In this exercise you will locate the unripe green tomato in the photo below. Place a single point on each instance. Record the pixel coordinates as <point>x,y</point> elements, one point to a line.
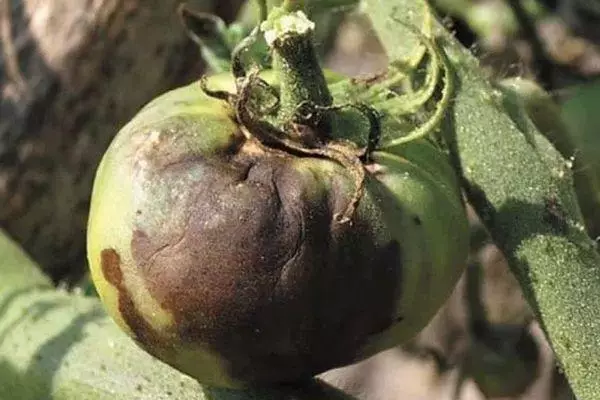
<point>226,261</point>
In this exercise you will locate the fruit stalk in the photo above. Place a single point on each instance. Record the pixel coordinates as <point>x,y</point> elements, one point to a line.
<point>289,33</point>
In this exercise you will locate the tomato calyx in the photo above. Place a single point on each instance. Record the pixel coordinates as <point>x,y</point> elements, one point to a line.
<point>306,132</point>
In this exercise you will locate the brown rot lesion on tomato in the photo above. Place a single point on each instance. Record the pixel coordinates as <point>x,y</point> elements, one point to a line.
<point>111,267</point>
<point>142,330</point>
<point>227,285</point>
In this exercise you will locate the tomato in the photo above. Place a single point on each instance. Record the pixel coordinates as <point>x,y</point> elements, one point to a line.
<point>224,258</point>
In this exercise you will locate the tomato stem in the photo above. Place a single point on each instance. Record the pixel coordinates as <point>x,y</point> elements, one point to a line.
<point>295,62</point>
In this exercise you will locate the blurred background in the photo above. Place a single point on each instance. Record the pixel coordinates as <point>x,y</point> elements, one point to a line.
<point>72,72</point>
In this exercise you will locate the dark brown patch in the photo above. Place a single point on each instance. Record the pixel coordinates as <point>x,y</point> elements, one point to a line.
<point>259,273</point>
<point>111,268</point>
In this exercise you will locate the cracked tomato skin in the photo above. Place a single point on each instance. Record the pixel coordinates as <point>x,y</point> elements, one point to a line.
<point>223,259</point>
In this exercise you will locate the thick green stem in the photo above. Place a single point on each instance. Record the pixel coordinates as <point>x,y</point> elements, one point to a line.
<point>301,78</point>
<point>523,191</point>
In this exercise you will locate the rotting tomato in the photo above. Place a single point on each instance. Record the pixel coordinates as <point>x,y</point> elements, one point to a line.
<point>227,257</point>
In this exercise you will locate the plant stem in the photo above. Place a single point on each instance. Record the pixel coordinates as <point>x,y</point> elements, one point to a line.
<point>295,62</point>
